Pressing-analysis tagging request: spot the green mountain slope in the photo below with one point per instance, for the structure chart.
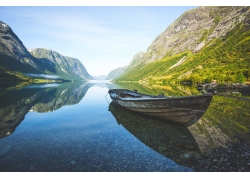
(11, 76)
(199, 46)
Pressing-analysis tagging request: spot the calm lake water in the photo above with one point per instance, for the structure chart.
(74, 127)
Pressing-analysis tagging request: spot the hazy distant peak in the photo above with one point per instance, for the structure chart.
(116, 72)
(137, 57)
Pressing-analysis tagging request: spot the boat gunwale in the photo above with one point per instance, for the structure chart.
(154, 98)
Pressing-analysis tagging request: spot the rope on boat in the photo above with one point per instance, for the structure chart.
(106, 98)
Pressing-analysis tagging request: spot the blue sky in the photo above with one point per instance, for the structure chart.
(101, 37)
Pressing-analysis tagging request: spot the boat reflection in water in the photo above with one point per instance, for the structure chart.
(173, 141)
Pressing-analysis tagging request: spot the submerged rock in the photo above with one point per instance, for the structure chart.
(190, 156)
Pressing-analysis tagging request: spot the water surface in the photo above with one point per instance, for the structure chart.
(76, 127)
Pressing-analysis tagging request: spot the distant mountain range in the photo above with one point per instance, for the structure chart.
(63, 66)
(203, 44)
(101, 77)
(15, 57)
(116, 73)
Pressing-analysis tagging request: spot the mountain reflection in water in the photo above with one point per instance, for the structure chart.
(173, 141)
(14, 105)
(86, 137)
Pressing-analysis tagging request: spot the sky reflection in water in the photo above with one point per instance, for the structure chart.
(76, 127)
(78, 137)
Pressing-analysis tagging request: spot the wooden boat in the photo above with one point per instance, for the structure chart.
(184, 110)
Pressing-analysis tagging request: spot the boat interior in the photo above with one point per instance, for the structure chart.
(131, 94)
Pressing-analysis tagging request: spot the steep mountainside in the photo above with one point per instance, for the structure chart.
(11, 44)
(63, 66)
(13, 54)
(116, 73)
(206, 39)
(136, 59)
(15, 57)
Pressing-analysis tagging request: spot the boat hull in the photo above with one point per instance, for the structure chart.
(184, 111)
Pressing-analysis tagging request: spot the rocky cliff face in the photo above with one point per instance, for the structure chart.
(62, 65)
(14, 53)
(194, 29)
(10, 44)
